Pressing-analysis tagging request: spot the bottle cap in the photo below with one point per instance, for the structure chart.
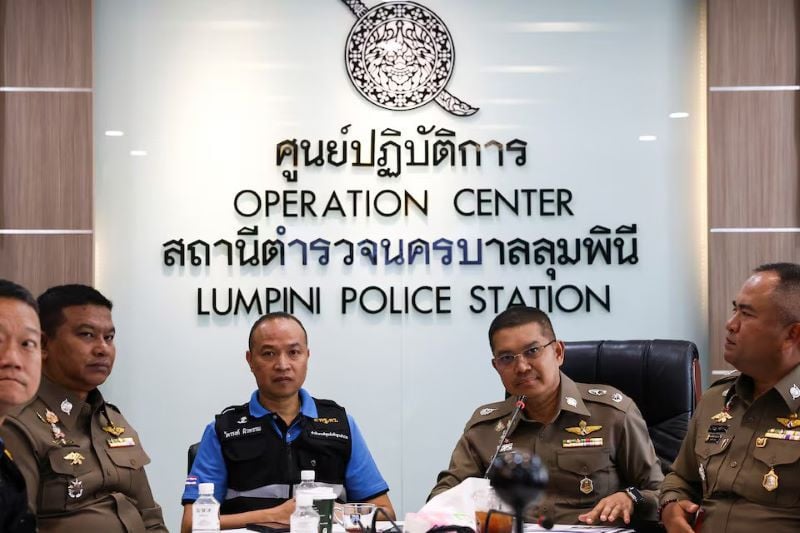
(304, 499)
(206, 489)
(306, 475)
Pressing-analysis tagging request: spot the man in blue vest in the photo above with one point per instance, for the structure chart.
(254, 453)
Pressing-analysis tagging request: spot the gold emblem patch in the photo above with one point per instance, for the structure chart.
(114, 430)
(721, 417)
(74, 458)
(583, 429)
(790, 422)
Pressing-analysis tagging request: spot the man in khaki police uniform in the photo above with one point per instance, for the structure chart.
(20, 370)
(739, 465)
(82, 462)
(591, 438)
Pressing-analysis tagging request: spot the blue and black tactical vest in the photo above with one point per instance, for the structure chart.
(263, 466)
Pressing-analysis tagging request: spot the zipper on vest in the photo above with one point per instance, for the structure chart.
(290, 462)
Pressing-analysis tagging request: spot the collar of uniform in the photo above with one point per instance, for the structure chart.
(307, 406)
(53, 395)
(743, 388)
(789, 389)
(570, 390)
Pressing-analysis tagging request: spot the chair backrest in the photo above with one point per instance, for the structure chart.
(191, 453)
(661, 376)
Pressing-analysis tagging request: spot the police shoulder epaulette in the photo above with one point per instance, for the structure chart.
(604, 394)
(490, 411)
(730, 378)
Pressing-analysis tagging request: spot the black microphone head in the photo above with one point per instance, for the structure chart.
(546, 522)
(518, 478)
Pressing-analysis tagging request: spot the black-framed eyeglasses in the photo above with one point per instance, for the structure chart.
(506, 360)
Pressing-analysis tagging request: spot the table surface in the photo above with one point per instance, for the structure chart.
(529, 528)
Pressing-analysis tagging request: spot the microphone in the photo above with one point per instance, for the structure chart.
(545, 522)
(519, 479)
(520, 405)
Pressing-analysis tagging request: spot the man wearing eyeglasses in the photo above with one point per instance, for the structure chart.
(254, 453)
(592, 439)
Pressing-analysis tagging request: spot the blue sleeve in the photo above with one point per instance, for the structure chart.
(208, 467)
(362, 479)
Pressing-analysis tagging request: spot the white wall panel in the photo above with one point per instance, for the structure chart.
(208, 88)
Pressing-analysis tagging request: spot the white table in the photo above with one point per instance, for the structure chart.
(529, 528)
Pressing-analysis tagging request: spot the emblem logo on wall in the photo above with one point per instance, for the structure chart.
(400, 56)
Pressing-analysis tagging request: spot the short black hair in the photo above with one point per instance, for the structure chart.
(13, 291)
(273, 316)
(53, 301)
(519, 315)
(788, 289)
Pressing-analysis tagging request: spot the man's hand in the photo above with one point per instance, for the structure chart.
(609, 509)
(280, 513)
(674, 515)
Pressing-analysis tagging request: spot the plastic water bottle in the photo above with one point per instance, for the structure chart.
(306, 482)
(205, 511)
(304, 518)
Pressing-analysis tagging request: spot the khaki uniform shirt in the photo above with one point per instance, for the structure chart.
(722, 464)
(77, 480)
(623, 457)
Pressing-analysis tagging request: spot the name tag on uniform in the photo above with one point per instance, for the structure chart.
(121, 442)
(582, 443)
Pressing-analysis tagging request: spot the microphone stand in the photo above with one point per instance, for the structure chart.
(520, 405)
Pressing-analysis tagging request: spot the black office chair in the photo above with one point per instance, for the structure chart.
(192, 453)
(661, 376)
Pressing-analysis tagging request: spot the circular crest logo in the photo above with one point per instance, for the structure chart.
(400, 56)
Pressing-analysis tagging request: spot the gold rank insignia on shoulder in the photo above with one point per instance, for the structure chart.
(783, 434)
(721, 417)
(74, 458)
(583, 429)
(582, 443)
(770, 481)
(790, 422)
(121, 442)
(114, 430)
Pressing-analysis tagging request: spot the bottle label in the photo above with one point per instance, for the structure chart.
(205, 517)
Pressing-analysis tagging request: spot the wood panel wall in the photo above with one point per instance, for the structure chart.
(753, 125)
(46, 181)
